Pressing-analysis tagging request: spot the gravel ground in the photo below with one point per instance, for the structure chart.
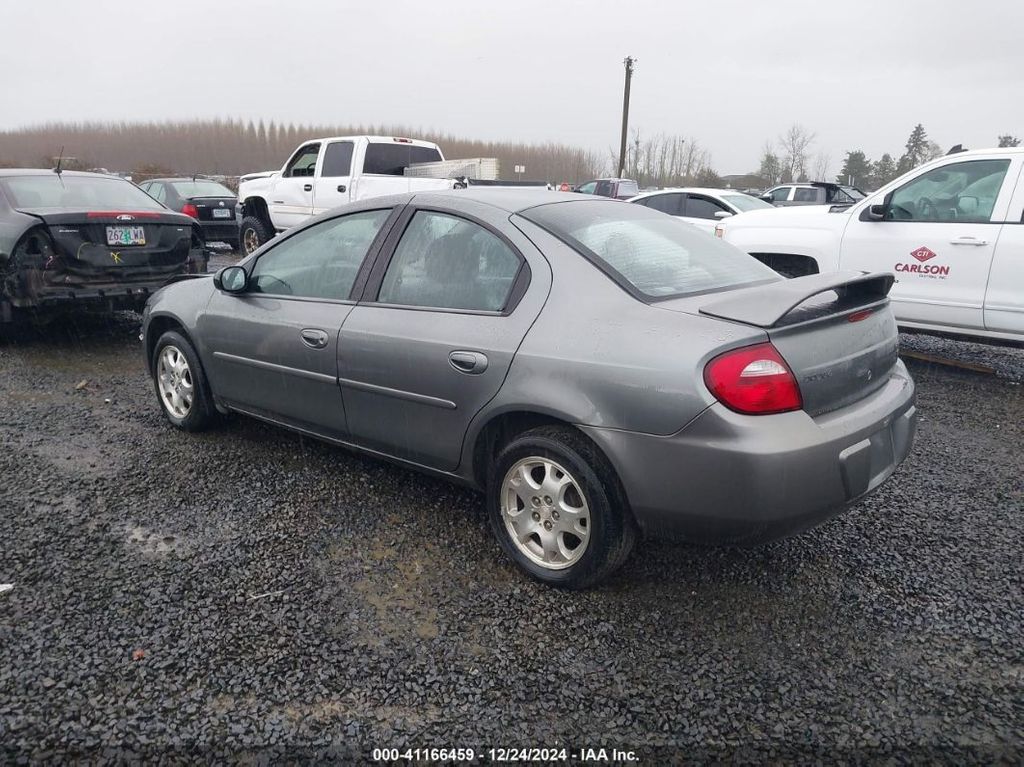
(249, 593)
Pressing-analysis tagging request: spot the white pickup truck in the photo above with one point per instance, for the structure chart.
(951, 230)
(325, 173)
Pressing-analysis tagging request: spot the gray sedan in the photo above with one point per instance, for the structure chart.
(598, 370)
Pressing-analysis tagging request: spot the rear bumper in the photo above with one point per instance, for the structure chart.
(220, 231)
(748, 479)
(34, 288)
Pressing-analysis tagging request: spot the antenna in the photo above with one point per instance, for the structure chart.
(60, 159)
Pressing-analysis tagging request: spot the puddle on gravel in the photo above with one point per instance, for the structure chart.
(155, 543)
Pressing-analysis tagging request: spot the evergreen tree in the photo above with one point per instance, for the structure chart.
(917, 150)
(856, 170)
(883, 171)
(1008, 140)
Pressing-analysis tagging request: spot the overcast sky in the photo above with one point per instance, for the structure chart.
(729, 74)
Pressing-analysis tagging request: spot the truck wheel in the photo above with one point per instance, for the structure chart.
(251, 234)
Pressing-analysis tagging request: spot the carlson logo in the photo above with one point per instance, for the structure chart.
(125, 217)
(923, 254)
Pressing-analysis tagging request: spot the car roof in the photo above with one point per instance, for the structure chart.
(9, 172)
(183, 178)
(689, 190)
(510, 199)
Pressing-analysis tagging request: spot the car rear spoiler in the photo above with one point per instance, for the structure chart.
(766, 306)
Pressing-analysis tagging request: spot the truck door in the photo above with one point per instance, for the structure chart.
(937, 233)
(291, 196)
(1004, 299)
(333, 185)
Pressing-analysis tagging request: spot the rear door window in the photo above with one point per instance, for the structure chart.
(337, 160)
(650, 255)
(447, 262)
(698, 206)
(321, 261)
(805, 194)
(671, 203)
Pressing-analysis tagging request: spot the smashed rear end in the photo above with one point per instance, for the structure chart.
(98, 258)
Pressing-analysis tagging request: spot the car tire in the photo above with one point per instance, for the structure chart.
(180, 383)
(251, 234)
(543, 529)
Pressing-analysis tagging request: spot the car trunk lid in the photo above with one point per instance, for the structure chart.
(221, 209)
(835, 331)
(114, 247)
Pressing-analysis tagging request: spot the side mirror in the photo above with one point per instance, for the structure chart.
(877, 211)
(723, 214)
(231, 279)
(766, 198)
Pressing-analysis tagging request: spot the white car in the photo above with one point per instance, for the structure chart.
(701, 207)
(952, 231)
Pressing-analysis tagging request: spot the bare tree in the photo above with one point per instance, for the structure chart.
(794, 144)
(822, 165)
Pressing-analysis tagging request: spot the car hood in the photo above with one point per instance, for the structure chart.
(796, 216)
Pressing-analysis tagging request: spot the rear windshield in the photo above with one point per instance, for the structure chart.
(744, 202)
(647, 252)
(96, 192)
(393, 159)
(628, 188)
(200, 188)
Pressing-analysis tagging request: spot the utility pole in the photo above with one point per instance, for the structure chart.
(629, 62)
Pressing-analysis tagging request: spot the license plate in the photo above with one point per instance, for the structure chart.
(221, 213)
(126, 235)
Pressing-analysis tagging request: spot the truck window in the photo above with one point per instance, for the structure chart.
(392, 159)
(780, 195)
(337, 160)
(963, 191)
(304, 162)
(803, 194)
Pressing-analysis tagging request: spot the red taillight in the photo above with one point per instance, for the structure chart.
(753, 380)
(858, 316)
(190, 210)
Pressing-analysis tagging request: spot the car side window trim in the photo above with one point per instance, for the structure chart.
(372, 287)
(361, 275)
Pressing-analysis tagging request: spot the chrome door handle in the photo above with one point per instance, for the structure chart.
(307, 188)
(968, 241)
(473, 363)
(313, 338)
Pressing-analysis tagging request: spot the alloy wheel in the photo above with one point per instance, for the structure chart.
(545, 513)
(174, 379)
